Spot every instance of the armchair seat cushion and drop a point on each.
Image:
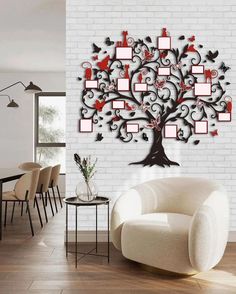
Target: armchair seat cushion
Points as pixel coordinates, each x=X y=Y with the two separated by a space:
x=9 y=196
x=159 y=240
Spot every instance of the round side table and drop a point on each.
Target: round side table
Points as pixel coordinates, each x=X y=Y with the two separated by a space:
x=74 y=201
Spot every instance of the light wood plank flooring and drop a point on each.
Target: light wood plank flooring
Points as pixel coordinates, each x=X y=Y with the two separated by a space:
x=39 y=265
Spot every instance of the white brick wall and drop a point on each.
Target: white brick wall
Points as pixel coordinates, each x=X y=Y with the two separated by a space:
x=213 y=22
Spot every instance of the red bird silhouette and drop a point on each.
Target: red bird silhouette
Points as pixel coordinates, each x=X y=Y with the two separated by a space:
x=88 y=74
x=214 y=133
x=99 y=105
x=148 y=55
x=140 y=78
x=191 y=39
x=126 y=74
x=163 y=54
x=128 y=107
x=191 y=48
x=164 y=33
x=125 y=43
x=103 y=65
x=229 y=106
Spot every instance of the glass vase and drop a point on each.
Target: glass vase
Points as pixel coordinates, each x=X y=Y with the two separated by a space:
x=86 y=191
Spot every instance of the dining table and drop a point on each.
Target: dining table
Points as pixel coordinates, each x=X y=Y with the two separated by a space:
x=7 y=175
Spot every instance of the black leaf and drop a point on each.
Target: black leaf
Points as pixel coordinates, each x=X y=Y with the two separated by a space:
x=184 y=55
x=182 y=37
x=132 y=114
x=96 y=49
x=227 y=83
x=104 y=52
x=148 y=39
x=100 y=126
x=100 y=117
x=145 y=137
x=108 y=113
x=84 y=92
x=200 y=46
x=213 y=125
x=210 y=99
x=79 y=78
x=204 y=61
x=141 y=129
x=99 y=137
x=135 y=140
x=95 y=71
x=193 y=106
x=185 y=48
x=222 y=77
x=196 y=142
x=108 y=42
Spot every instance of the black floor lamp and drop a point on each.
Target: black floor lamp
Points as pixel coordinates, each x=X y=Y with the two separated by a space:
x=31 y=88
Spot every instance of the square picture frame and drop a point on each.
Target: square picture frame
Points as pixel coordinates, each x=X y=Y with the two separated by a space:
x=85 y=125
x=170 y=131
x=163 y=43
x=201 y=127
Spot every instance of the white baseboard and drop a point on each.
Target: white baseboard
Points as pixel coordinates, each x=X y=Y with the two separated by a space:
x=232 y=236
x=89 y=236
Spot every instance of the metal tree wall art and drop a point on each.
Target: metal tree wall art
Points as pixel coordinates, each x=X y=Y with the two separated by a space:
x=146 y=89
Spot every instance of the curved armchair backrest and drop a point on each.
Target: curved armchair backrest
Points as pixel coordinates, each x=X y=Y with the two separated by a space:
x=54 y=175
x=27 y=182
x=28 y=166
x=44 y=178
x=177 y=195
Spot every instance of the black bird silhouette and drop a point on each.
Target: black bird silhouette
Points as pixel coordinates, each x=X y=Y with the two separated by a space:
x=223 y=67
x=211 y=56
x=99 y=137
x=108 y=42
x=96 y=49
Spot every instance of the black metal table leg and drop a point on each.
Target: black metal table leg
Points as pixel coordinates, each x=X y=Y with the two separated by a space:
x=96 y=228
x=0 y=210
x=66 y=230
x=108 y=234
x=76 y=236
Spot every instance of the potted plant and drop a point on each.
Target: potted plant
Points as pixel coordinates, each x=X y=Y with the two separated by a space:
x=86 y=190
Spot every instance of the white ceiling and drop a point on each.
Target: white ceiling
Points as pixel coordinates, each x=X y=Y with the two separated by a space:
x=32 y=35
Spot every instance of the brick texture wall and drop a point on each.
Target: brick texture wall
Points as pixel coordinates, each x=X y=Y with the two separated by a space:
x=213 y=22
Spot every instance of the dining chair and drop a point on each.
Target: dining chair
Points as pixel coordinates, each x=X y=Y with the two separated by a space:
x=28 y=166
x=53 y=183
x=42 y=188
x=24 y=192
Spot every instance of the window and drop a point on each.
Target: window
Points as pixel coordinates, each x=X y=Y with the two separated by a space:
x=50 y=121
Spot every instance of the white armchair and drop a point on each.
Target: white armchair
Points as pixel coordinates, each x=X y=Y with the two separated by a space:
x=175 y=224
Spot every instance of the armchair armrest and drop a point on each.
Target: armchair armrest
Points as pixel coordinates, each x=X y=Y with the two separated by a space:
x=208 y=232
x=127 y=206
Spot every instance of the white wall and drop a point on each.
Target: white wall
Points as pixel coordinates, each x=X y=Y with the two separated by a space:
x=17 y=124
x=213 y=22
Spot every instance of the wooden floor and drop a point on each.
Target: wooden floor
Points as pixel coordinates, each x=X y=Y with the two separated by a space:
x=39 y=265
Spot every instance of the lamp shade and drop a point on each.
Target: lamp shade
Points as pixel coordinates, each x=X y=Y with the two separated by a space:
x=12 y=104
x=32 y=88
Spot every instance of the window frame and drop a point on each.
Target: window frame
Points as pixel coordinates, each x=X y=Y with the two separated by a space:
x=36 y=115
